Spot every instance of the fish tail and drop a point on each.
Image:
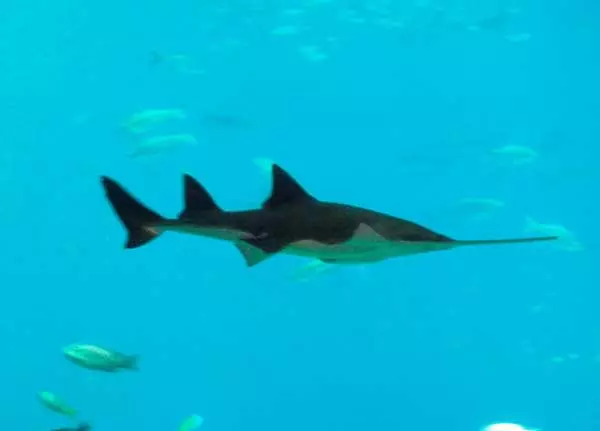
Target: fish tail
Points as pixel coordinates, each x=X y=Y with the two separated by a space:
x=138 y=220
x=83 y=426
x=132 y=362
x=531 y=225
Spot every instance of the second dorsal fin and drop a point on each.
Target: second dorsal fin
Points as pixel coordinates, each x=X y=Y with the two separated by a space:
x=286 y=190
x=197 y=199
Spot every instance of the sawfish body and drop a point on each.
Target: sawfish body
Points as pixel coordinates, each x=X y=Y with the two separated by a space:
x=291 y=221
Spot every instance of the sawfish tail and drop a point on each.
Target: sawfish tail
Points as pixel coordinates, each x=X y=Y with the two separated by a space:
x=142 y=224
x=505 y=241
x=138 y=220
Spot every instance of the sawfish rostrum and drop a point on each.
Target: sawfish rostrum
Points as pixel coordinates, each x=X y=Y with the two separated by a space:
x=291 y=221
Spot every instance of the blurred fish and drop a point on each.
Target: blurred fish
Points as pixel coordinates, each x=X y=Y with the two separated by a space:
x=144 y=120
x=225 y=121
x=566 y=238
x=290 y=221
x=496 y=22
x=81 y=427
x=507 y=427
x=310 y=270
x=156 y=58
x=99 y=358
x=181 y=63
x=161 y=144
x=313 y=53
x=518 y=37
x=285 y=30
x=52 y=402
x=516 y=154
x=480 y=208
x=191 y=423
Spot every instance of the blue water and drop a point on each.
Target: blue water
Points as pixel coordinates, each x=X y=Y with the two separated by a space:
x=398 y=119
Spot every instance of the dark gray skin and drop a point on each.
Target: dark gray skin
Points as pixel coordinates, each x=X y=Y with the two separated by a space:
x=290 y=220
x=291 y=215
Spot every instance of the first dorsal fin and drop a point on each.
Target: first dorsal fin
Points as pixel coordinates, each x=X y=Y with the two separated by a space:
x=197 y=199
x=286 y=190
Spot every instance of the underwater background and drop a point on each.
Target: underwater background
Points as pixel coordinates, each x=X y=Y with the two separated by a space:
x=478 y=119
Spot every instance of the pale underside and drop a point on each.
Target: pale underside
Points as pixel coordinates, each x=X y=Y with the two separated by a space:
x=364 y=246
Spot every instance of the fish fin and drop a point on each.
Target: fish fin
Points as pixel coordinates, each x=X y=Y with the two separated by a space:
x=503 y=241
x=135 y=216
x=286 y=190
x=252 y=255
x=132 y=362
x=366 y=232
x=197 y=199
x=156 y=58
x=267 y=244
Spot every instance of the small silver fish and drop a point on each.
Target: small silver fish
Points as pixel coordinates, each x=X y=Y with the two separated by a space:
x=191 y=423
x=99 y=358
x=54 y=403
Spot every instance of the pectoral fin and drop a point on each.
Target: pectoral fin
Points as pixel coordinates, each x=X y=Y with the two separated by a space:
x=260 y=247
x=252 y=255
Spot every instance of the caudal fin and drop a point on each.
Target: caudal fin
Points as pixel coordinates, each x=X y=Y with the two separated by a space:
x=132 y=362
x=139 y=220
x=505 y=241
